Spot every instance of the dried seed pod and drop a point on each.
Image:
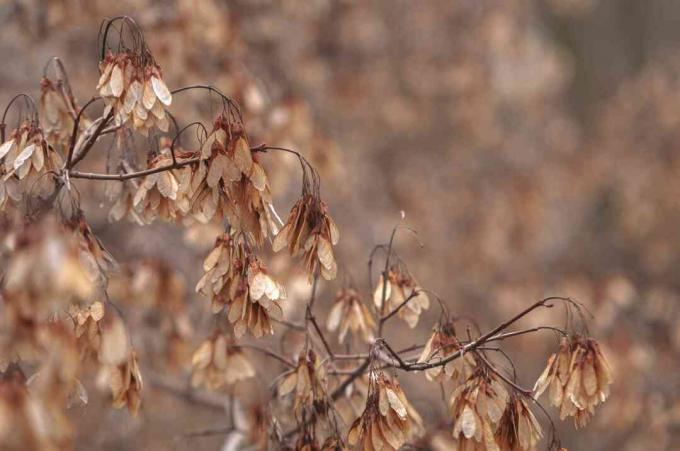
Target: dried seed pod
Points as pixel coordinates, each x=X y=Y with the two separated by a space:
x=125 y=382
x=25 y=162
x=441 y=344
x=401 y=287
x=55 y=117
x=555 y=375
x=218 y=362
x=134 y=91
x=307 y=381
x=518 y=429
x=234 y=185
x=257 y=422
x=31 y=421
x=115 y=343
x=477 y=407
x=310 y=231
x=86 y=321
x=354 y=395
x=579 y=377
x=46 y=272
x=236 y=278
x=388 y=420
x=157 y=194
x=350 y=313
x=122 y=195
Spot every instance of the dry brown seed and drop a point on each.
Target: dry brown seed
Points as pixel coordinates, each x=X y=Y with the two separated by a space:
x=161 y=91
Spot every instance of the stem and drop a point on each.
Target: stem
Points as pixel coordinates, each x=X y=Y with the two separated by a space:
x=501 y=337
x=483 y=339
x=132 y=175
x=321 y=335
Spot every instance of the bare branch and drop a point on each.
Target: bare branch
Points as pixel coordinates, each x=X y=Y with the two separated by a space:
x=132 y=175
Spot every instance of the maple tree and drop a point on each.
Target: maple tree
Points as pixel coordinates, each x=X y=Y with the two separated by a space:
x=59 y=315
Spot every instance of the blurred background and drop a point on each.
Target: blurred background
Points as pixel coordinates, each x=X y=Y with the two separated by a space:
x=534 y=146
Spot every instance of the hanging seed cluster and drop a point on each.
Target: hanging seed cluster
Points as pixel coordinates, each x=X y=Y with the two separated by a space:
x=134 y=91
x=442 y=344
x=477 y=406
x=234 y=184
x=217 y=363
x=349 y=313
x=25 y=161
x=578 y=377
x=388 y=420
x=309 y=231
x=237 y=279
x=55 y=118
x=399 y=287
x=518 y=429
x=87 y=323
x=307 y=382
x=60 y=291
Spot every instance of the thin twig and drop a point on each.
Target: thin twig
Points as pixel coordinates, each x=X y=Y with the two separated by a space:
x=132 y=175
x=312 y=319
x=481 y=340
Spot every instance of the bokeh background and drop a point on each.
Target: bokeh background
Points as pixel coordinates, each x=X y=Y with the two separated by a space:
x=534 y=146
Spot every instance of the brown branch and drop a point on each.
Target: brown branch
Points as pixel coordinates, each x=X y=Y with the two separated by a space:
x=132 y=175
x=494 y=333
x=392 y=352
x=516 y=333
x=483 y=339
x=112 y=129
x=363 y=356
x=309 y=318
x=312 y=319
